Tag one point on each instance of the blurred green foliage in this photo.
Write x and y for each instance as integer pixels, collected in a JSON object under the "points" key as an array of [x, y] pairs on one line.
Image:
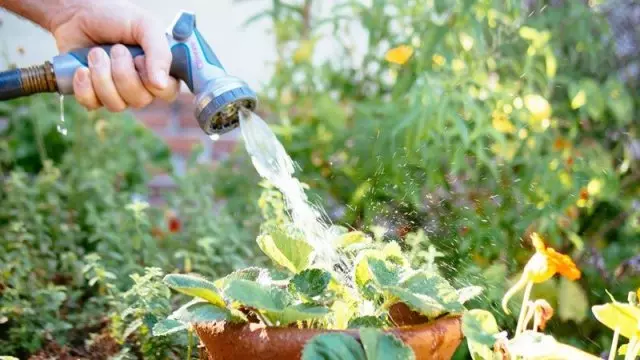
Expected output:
{"points": [[501, 122], [76, 233]]}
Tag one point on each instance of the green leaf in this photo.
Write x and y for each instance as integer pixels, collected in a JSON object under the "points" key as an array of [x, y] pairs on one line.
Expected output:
{"points": [[620, 102], [257, 296], [437, 288], [301, 312], [587, 92], [351, 238], [381, 346], [250, 273], [479, 327], [311, 282], [367, 321], [424, 304], [333, 346], [195, 286], [285, 250], [573, 303], [167, 327], [199, 311], [384, 273], [468, 293]]}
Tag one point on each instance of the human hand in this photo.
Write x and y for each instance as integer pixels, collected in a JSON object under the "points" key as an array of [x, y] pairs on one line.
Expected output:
{"points": [[115, 81]]}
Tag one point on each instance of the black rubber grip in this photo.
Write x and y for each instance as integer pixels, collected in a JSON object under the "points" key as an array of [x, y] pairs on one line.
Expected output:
{"points": [[83, 54], [11, 85]]}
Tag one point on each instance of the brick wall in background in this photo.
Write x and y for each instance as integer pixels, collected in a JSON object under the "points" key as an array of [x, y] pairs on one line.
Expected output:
{"points": [[176, 124]]}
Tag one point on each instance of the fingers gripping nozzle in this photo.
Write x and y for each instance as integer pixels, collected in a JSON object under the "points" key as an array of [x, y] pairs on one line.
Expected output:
{"points": [[219, 96]]}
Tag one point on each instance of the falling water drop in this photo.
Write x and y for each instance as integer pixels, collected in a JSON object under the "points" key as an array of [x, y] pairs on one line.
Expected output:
{"points": [[62, 129], [214, 137]]}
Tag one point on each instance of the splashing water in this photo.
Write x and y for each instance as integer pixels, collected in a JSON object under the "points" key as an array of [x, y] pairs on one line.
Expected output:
{"points": [[62, 128], [274, 164]]}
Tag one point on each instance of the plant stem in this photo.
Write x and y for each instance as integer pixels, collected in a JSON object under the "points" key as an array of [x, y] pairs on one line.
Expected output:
{"points": [[190, 343], [523, 309], [614, 344], [631, 349]]}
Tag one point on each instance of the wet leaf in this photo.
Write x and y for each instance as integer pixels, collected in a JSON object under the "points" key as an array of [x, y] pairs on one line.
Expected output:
{"points": [[352, 238], [257, 296], [168, 327], [285, 250], [384, 273], [311, 282], [468, 293], [381, 346], [301, 312], [199, 311], [250, 273], [195, 286], [479, 327], [333, 346], [424, 304], [437, 288]]}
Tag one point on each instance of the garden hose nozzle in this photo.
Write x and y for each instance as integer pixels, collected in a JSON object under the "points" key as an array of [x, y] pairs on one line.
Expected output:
{"points": [[219, 96]]}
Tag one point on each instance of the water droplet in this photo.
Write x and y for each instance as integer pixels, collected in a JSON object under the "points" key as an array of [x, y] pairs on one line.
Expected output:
{"points": [[62, 129], [214, 137]]}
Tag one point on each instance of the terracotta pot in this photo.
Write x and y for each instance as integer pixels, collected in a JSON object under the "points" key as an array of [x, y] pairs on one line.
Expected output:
{"points": [[437, 340]]}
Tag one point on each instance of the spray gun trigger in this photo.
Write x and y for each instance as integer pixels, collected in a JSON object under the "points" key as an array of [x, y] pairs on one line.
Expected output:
{"points": [[184, 26]]}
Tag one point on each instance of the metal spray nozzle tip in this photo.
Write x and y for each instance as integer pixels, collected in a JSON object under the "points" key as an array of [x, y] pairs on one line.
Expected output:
{"points": [[218, 106]]}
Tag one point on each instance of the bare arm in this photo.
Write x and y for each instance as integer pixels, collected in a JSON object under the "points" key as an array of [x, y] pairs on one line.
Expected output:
{"points": [[115, 81]]}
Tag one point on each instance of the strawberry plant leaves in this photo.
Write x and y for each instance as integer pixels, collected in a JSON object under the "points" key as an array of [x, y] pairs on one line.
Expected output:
{"points": [[479, 327], [384, 273], [201, 311], [195, 286], [301, 312], [437, 288], [381, 346], [311, 282], [333, 346], [167, 327], [257, 296], [367, 321], [423, 304], [351, 238], [285, 250], [468, 293], [250, 273]]}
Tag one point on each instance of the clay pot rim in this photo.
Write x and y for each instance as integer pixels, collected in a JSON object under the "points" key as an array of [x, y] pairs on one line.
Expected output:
{"points": [[350, 331]]}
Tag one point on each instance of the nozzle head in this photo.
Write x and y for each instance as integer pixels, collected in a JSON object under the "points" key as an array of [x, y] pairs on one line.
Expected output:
{"points": [[218, 107]]}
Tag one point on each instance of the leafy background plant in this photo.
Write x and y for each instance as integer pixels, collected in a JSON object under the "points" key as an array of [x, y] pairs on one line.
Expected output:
{"points": [[509, 117]]}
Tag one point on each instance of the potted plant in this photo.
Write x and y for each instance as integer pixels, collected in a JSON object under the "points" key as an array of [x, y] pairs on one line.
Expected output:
{"points": [[373, 302]]}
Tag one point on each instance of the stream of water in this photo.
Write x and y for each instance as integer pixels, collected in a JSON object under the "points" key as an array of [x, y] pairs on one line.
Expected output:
{"points": [[274, 164]]}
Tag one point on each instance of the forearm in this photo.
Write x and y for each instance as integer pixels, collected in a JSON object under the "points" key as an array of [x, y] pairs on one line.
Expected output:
{"points": [[45, 13]]}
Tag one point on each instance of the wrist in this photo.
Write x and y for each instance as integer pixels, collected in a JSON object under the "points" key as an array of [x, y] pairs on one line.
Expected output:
{"points": [[49, 14]]}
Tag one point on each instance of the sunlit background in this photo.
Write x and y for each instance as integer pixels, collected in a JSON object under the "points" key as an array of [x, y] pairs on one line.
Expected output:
{"points": [[457, 128]]}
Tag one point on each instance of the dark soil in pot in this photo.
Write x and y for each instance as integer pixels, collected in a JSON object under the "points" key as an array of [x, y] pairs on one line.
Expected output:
{"points": [[435, 340]]}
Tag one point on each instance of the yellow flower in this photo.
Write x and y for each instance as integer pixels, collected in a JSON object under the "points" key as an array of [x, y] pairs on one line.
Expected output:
{"points": [[542, 266], [540, 111], [399, 55], [501, 123], [621, 317]]}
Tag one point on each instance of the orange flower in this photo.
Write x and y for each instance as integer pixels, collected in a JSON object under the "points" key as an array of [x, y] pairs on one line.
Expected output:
{"points": [[545, 263], [560, 262], [399, 55]]}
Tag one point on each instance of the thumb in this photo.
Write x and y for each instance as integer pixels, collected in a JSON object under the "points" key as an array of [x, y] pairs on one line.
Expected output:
{"points": [[156, 49]]}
